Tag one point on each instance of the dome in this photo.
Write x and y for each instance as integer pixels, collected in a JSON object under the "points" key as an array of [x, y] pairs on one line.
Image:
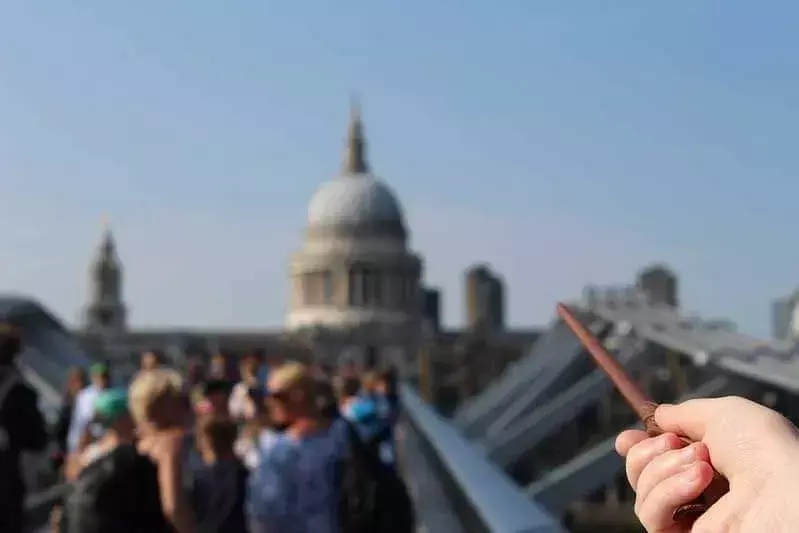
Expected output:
{"points": [[354, 201]]}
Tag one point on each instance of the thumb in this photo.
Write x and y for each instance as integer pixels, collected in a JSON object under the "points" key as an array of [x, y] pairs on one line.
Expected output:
{"points": [[690, 419]]}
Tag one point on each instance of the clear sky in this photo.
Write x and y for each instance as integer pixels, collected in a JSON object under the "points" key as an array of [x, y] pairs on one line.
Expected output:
{"points": [[562, 142]]}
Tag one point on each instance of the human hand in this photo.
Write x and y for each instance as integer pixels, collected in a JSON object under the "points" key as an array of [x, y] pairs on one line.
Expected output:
{"points": [[755, 448]]}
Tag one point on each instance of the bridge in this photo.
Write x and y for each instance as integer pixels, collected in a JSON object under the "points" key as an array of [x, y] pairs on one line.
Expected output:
{"points": [[533, 452]]}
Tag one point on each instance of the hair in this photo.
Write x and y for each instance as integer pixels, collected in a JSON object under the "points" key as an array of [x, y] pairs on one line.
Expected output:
{"points": [[349, 387], [369, 381], [149, 388], [389, 377], [219, 432]]}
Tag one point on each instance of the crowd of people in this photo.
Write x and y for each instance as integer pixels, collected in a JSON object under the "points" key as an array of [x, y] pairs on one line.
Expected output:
{"points": [[294, 449], [291, 448]]}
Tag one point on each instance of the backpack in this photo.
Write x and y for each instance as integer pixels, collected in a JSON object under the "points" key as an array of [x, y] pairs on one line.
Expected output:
{"points": [[373, 497]]}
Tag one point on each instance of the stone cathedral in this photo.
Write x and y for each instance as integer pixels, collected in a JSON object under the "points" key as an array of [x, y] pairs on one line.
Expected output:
{"points": [[357, 291]]}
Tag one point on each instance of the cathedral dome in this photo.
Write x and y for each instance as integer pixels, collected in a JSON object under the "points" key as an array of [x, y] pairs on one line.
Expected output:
{"points": [[356, 200], [351, 201]]}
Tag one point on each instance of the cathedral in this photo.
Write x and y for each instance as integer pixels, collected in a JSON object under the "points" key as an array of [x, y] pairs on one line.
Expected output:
{"points": [[357, 290]]}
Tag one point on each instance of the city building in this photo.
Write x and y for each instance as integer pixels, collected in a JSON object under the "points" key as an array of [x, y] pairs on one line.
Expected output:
{"points": [[357, 294]]}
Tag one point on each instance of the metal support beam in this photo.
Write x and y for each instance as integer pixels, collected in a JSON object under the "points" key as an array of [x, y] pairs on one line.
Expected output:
{"points": [[597, 466], [527, 432], [553, 378]]}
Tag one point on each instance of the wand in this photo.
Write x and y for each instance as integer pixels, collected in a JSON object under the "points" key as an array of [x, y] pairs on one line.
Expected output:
{"points": [[644, 408]]}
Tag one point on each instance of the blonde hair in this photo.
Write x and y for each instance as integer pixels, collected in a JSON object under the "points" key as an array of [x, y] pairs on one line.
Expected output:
{"points": [[290, 375], [149, 387]]}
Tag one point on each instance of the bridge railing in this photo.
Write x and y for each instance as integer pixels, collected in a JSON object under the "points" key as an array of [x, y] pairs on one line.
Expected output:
{"points": [[480, 494]]}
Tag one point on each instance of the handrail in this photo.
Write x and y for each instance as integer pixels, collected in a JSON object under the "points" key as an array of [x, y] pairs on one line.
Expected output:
{"points": [[493, 498]]}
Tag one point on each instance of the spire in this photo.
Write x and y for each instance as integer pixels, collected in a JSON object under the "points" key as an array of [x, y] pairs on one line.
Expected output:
{"points": [[355, 150], [107, 247]]}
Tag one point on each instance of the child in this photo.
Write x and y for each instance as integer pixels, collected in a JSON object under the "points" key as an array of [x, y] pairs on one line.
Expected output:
{"points": [[219, 487]]}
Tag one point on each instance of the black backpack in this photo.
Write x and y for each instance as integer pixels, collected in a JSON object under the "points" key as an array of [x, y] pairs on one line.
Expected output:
{"points": [[374, 498]]}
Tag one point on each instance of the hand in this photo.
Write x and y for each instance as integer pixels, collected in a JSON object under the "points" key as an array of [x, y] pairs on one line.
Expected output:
{"points": [[755, 448]]}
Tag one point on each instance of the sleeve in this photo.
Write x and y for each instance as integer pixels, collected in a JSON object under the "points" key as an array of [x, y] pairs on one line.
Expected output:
{"points": [[266, 502]]}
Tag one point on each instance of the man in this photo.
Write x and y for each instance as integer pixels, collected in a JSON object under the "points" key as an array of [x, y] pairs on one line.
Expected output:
{"points": [[117, 488], [81, 432], [294, 489], [149, 361], [22, 429]]}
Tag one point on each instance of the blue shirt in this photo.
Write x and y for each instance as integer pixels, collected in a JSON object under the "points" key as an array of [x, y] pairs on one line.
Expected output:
{"points": [[294, 489], [368, 419]]}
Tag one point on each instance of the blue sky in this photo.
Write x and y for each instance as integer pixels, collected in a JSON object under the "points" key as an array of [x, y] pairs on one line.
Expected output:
{"points": [[563, 142]]}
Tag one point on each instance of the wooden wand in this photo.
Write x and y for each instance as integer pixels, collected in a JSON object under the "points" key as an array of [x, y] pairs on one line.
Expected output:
{"points": [[644, 408]]}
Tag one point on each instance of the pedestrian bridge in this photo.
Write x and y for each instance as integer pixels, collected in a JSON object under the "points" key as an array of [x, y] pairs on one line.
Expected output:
{"points": [[534, 450]]}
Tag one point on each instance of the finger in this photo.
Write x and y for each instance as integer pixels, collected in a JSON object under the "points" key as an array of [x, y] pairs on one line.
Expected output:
{"points": [[669, 464], [645, 451], [627, 439], [692, 418], [656, 511]]}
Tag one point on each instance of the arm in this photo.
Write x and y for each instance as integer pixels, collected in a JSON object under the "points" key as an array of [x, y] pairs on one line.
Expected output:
{"points": [[175, 505]]}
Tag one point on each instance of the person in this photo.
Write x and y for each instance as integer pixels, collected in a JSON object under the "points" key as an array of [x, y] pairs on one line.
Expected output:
{"points": [[81, 431], [149, 361], [219, 367], [160, 408], [216, 393], [259, 433], [295, 487], [195, 372], [117, 488], [363, 414], [219, 488], [22, 429], [241, 391], [76, 382], [386, 390], [755, 448]]}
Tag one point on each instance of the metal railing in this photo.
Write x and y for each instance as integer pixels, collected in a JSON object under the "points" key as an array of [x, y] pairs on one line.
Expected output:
{"points": [[480, 494]]}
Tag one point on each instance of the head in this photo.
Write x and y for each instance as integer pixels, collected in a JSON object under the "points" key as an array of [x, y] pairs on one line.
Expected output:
{"points": [[76, 381], [111, 410], [292, 395], [218, 368], [158, 400], [369, 383], [195, 371], [100, 375], [350, 387], [10, 344], [216, 435], [386, 383], [326, 399], [149, 361], [249, 368], [217, 394]]}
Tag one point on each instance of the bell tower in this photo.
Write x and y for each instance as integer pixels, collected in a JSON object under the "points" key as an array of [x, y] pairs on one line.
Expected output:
{"points": [[105, 311]]}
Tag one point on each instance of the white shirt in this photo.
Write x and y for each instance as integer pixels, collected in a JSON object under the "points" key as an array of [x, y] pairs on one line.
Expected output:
{"points": [[237, 403], [82, 415]]}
